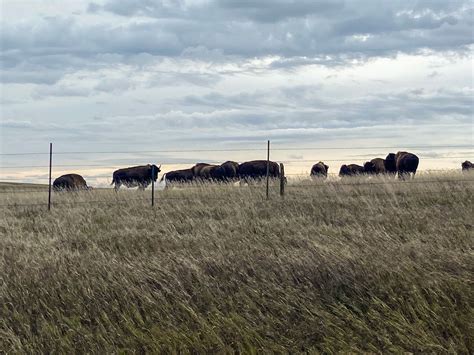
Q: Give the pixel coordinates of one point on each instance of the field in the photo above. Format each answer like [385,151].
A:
[343,266]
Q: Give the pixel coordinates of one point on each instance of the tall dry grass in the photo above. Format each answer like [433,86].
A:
[333,267]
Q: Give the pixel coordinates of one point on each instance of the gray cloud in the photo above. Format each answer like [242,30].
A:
[285,111]
[157,74]
[299,32]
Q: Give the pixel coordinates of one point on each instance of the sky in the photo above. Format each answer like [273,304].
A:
[159,77]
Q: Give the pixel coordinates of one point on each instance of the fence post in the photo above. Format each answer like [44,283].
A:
[50,170]
[282,180]
[152,185]
[268,164]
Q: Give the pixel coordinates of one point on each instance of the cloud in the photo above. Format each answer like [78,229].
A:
[300,32]
[129,73]
[15,124]
[283,110]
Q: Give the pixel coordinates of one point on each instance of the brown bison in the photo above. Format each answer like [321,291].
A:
[319,170]
[467,165]
[70,182]
[226,172]
[229,171]
[257,170]
[184,175]
[351,170]
[375,166]
[405,164]
[209,172]
[140,176]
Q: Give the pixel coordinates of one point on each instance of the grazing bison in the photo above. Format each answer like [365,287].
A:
[226,172]
[351,170]
[184,175]
[375,166]
[467,165]
[204,171]
[140,176]
[257,170]
[70,182]
[319,170]
[405,164]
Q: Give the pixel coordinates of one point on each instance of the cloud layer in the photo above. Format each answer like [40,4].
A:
[183,72]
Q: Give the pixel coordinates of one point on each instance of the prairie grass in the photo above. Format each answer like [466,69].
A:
[337,266]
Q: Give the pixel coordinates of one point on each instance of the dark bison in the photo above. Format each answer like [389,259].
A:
[405,164]
[257,170]
[229,171]
[467,165]
[184,175]
[375,166]
[70,182]
[319,170]
[207,172]
[390,164]
[351,170]
[225,172]
[140,176]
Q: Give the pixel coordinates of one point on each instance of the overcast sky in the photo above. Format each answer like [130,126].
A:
[128,75]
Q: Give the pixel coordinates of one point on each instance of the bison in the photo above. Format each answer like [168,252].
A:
[319,170]
[467,165]
[184,175]
[70,182]
[390,164]
[257,170]
[209,172]
[351,170]
[140,176]
[229,171]
[405,164]
[375,166]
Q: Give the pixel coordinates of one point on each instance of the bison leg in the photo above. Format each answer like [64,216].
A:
[117,186]
[402,175]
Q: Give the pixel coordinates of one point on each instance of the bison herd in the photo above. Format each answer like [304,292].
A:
[142,176]
[230,171]
[402,163]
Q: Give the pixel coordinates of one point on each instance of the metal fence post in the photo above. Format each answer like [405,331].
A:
[50,170]
[268,164]
[152,185]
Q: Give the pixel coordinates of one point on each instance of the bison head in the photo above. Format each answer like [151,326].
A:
[467,165]
[369,167]
[155,170]
[323,166]
[344,170]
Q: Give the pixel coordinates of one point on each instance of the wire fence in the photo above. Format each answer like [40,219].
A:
[205,198]
[442,187]
[242,149]
[174,163]
[419,150]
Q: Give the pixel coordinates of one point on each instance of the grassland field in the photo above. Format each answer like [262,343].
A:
[360,266]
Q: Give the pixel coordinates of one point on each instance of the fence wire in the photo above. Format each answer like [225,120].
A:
[241,149]
[292,162]
[203,198]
